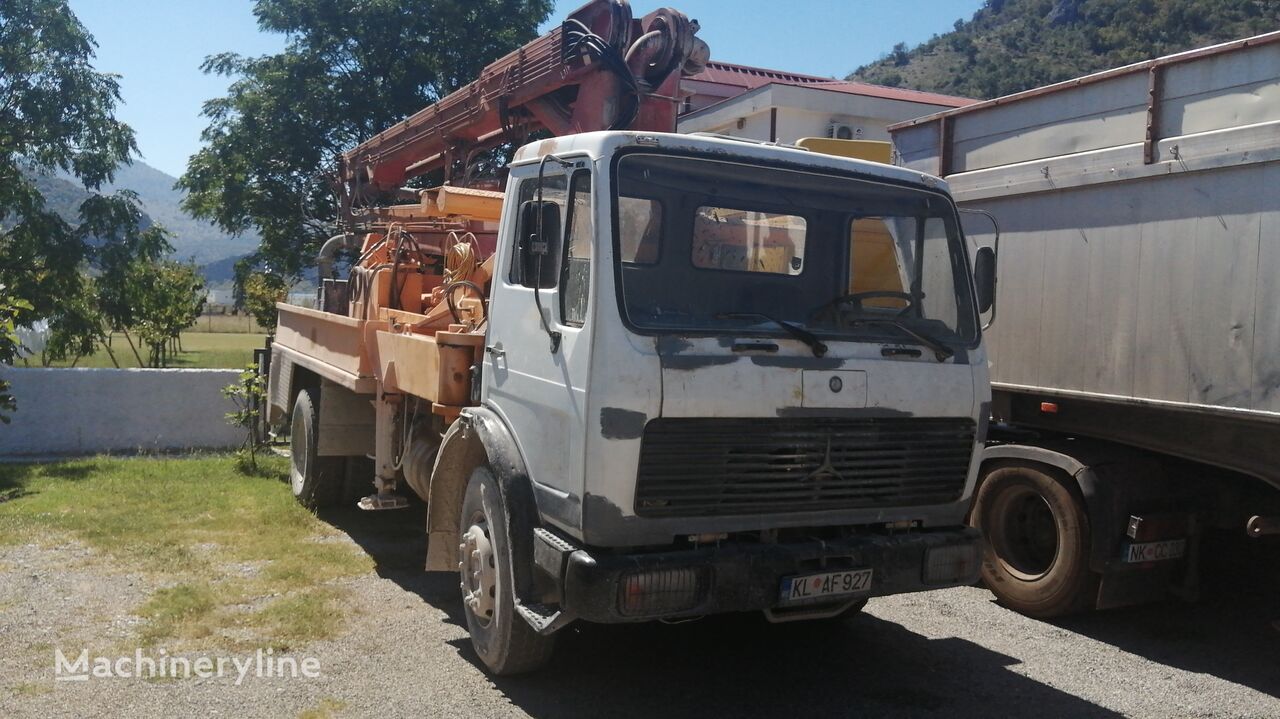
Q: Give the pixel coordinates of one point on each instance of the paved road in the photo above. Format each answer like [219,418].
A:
[951,653]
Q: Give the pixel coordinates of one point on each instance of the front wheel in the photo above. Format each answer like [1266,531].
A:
[505,641]
[1037,555]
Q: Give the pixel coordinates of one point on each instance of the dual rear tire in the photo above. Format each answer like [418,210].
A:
[319,482]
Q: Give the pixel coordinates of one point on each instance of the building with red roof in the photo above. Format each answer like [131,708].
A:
[778,106]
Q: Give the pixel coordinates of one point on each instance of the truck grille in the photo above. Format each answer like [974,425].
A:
[702,466]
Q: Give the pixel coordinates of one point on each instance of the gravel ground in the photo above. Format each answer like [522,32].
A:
[950,653]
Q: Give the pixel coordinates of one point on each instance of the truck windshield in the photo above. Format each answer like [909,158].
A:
[712,246]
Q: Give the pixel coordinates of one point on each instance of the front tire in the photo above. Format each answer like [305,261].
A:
[1036,559]
[504,640]
[316,481]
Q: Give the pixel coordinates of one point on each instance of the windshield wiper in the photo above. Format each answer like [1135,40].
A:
[941,351]
[815,344]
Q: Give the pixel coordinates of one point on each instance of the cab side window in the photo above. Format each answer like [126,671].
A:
[639,230]
[937,276]
[522,260]
[576,276]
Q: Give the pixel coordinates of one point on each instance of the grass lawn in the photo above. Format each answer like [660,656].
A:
[200,350]
[241,564]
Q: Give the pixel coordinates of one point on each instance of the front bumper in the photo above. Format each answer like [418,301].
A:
[734,577]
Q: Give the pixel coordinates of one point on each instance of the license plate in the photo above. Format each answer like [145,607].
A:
[1155,551]
[825,585]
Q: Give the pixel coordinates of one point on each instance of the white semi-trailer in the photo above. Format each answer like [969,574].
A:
[1136,357]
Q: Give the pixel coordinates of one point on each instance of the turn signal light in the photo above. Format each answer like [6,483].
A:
[660,592]
[957,564]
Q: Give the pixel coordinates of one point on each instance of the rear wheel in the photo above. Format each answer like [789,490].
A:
[1037,550]
[316,481]
[504,640]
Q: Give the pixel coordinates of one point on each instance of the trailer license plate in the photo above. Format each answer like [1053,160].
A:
[1156,551]
[825,585]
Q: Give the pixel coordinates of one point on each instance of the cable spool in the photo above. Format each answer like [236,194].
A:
[460,259]
[460,263]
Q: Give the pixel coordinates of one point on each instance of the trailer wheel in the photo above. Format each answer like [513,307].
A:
[1037,550]
[505,641]
[316,481]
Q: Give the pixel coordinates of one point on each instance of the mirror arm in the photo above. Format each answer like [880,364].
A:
[552,335]
[995,249]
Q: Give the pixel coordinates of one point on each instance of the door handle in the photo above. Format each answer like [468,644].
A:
[495,350]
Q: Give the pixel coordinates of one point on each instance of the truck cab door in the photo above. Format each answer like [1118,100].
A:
[538,389]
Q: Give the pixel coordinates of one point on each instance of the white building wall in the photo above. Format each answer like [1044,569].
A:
[88,411]
[795,123]
[802,112]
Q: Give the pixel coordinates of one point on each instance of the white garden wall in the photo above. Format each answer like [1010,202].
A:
[86,411]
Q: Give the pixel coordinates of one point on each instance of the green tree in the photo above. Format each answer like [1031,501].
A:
[899,55]
[261,292]
[76,329]
[57,114]
[249,395]
[9,347]
[167,298]
[351,69]
[113,264]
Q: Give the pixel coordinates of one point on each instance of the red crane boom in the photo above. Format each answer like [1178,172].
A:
[599,70]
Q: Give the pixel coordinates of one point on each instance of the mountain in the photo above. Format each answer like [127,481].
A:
[214,251]
[62,196]
[192,239]
[221,272]
[1014,45]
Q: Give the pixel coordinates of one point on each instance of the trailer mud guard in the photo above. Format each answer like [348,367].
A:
[1097,498]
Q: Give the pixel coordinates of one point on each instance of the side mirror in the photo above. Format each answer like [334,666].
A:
[984,278]
[539,233]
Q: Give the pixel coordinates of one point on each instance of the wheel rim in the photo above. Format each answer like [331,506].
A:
[1023,533]
[478,567]
[298,453]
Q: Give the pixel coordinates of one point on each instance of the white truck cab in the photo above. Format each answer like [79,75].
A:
[744,350]
[691,269]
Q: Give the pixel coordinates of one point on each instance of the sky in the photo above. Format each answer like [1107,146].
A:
[157,47]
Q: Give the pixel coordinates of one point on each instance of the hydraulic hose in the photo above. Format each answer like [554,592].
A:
[329,250]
